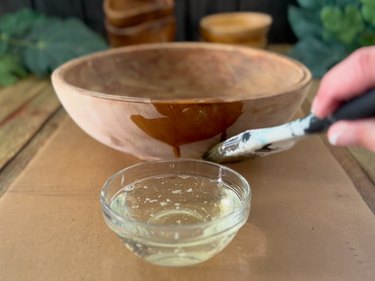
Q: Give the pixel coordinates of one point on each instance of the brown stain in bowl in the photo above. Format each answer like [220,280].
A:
[188,123]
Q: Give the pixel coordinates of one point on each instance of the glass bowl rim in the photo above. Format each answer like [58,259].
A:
[245,202]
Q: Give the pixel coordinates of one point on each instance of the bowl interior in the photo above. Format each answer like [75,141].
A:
[231,23]
[184,72]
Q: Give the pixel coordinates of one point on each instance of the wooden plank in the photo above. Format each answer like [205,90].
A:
[64,9]
[12,98]
[221,6]
[259,6]
[17,130]
[182,20]
[14,167]
[93,15]
[366,159]
[196,10]
[9,6]
[280,30]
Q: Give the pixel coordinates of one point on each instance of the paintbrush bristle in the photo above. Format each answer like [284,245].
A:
[217,154]
[214,154]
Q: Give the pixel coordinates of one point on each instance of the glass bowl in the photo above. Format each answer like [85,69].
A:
[176,212]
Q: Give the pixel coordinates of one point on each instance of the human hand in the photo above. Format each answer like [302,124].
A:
[352,77]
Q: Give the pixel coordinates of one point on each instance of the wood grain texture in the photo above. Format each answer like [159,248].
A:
[184,118]
[182,20]
[18,127]
[64,9]
[93,14]
[196,10]
[357,163]
[224,6]
[12,98]
[366,159]
[188,13]
[7,6]
[280,30]
[14,167]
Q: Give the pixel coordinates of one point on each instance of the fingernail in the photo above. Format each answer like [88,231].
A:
[336,133]
[341,134]
[332,138]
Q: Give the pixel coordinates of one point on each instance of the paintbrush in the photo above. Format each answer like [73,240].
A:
[262,142]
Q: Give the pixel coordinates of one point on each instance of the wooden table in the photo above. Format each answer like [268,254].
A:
[308,222]
[30,112]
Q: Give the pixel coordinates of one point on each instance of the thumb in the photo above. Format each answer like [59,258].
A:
[353,133]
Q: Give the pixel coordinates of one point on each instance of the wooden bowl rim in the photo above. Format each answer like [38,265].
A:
[58,75]
[205,22]
[117,15]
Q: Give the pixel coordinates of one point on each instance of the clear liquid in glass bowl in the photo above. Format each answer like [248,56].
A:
[178,219]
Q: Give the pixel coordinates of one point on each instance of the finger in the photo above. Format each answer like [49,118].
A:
[353,133]
[351,77]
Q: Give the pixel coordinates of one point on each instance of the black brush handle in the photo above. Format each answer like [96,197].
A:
[359,107]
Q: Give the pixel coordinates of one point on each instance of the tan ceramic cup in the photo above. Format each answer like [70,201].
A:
[243,28]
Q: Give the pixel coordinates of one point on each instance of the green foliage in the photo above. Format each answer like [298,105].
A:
[10,70]
[318,55]
[15,27]
[308,22]
[328,30]
[40,44]
[341,3]
[344,25]
[368,11]
[57,41]
[309,4]
[367,38]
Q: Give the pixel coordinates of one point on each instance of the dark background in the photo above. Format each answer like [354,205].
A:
[188,13]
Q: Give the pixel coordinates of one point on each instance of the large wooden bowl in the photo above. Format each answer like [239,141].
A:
[178,99]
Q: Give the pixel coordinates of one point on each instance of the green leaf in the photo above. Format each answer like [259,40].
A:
[20,22]
[10,70]
[317,4]
[344,3]
[368,2]
[304,23]
[317,55]
[16,26]
[4,42]
[331,18]
[368,11]
[367,38]
[309,4]
[57,41]
[344,25]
